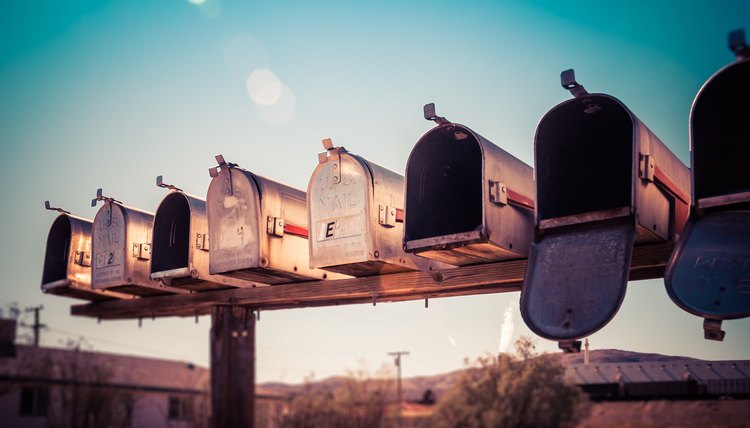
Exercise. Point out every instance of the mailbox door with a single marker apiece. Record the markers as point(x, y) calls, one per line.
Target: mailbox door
point(233, 205)
point(340, 194)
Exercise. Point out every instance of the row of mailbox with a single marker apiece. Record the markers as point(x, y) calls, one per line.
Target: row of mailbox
point(603, 183)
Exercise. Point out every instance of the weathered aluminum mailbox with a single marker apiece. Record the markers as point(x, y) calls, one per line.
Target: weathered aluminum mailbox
point(180, 243)
point(257, 228)
point(604, 182)
point(709, 272)
point(121, 250)
point(356, 216)
point(467, 200)
point(67, 259)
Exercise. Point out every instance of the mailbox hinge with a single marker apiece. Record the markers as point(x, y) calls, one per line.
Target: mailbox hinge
point(712, 330)
point(275, 226)
point(332, 154)
point(500, 194)
point(201, 241)
point(388, 216)
point(223, 164)
point(142, 251)
point(82, 258)
point(646, 167)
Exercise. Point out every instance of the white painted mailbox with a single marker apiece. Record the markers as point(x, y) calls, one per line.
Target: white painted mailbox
point(257, 228)
point(356, 217)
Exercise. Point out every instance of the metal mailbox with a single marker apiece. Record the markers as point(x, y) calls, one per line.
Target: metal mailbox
point(356, 216)
point(67, 259)
point(257, 228)
point(709, 272)
point(604, 182)
point(121, 250)
point(467, 200)
point(180, 243)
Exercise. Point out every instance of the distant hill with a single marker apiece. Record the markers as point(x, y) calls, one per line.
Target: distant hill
point(414, 387)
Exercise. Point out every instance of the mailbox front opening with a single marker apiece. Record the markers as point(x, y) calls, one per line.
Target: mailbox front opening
point(444, 180)
point(584, 155)
point(721, 134)
point(171, 239)
point(57, 251)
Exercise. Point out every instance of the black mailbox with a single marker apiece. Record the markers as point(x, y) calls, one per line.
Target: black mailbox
point(604, 182)
point(467, 200)
point(709, 272)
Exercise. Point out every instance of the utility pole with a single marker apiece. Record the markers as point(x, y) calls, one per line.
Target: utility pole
point(36, 326)
point(397, 362)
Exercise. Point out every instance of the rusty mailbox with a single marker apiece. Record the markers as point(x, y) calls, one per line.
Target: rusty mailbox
point(121, 250)
point(67, 259)
point(180, 245)
point(709, 272)
point(257, 228)
point(356, 217)
point(467, 200)
point(604, 182)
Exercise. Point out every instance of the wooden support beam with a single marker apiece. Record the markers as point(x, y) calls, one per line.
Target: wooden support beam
point(232, 367)
point(647, 262)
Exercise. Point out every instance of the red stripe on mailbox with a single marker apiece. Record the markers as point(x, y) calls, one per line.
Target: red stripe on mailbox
point(399, 215)
point(292, 229)
point(520, 200)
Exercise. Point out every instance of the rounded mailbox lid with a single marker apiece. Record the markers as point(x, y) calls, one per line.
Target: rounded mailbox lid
point(67, 256)
point(339, 196)
point(108, 242)
point(233, 206)
point(172, 235)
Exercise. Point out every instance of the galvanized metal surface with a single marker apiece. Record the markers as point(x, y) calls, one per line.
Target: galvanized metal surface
point(356, 217)
point(67, 260)
point(121, 240)
point(457, 186)
point(240, 207)
point(180, 245)
point(576, 279)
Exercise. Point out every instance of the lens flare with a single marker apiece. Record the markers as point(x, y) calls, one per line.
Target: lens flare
point(264, 87)
point(281, 111)
point(506, 331)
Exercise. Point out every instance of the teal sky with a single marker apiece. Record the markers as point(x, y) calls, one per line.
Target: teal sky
point(111, 94)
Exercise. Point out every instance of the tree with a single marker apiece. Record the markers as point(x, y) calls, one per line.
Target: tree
point(525, 390)
point(357, 401)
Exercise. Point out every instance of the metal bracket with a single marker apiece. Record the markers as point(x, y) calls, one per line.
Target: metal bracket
point(100, 197)
point(498, 193)
point(275, 226)
point(141, 251)
point(82, 258)
point(738, 45)
point(429, 114)
point(568, 81)
point(712, 330)
point(570, 346)
point(387, 216)
point(201, 241)
point(160, 183)
point(646, 167)
point(51, 208)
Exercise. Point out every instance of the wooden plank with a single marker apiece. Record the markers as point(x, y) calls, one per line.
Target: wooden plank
point(647, 262)
point(232, 367)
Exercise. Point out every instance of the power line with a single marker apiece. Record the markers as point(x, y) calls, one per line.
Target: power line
point(37, 326)
point(397, 362)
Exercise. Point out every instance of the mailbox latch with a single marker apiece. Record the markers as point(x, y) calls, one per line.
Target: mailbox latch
point(201, 241)
point(82, 258)
point(142, 251)
point(387, 216)
point(275, 226)
point(646, 167)
point(498, 193)
point(712, 330)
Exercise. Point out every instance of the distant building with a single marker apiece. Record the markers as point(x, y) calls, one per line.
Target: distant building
point(45, 387)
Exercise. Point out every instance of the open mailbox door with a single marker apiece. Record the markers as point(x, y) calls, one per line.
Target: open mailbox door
point(121, 250)
point(709, 272)
point(180, 253)
point(67, 259)
point(356, 214)
point(257, 228)
point(467, 200)
point(604, 182)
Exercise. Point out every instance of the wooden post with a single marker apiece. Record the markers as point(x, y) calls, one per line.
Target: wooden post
point(232, 367)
